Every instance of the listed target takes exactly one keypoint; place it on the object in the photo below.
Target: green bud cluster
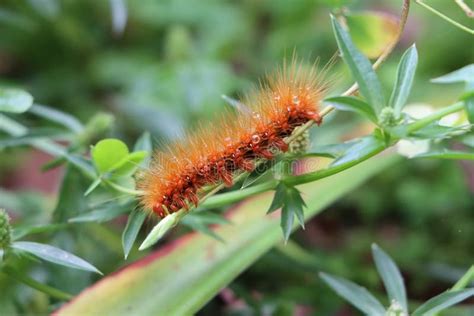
(387, 117)
(5, 230)
(300, 144)
(395, 309)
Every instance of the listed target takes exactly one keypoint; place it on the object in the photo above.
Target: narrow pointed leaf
(278, 198)
(360, 67)
(159, 230)
(55, 255)
(93, 186)
(448, 154)
(353, 104)
(287, 220)
(359, 149)
(130, 233)
(464, 74)
(405, 75)
(442, 301)
(357, 295)
(391, 277)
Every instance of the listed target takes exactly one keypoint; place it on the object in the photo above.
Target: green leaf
(160, 230)
(405, 75)
(201, 222)
(129, 164)
(296, 203)
(144, 143)
(360, 149)
(251, 235)
(442, 301)
(469, 106)
(361, 68)
(331, 150)
(357, 295)
(448, 154)
(353, 104)
(55, 255)
(465, 74)
(57, 116)
(103, 214)
(286, 221)
(108, 153)
(391, 277)
(278, 198)
(15, 100)
(93, 186)
(130, 233)
(436, 131)
(291, 203)
(372, 31)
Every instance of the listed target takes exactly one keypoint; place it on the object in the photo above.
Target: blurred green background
(163, 65)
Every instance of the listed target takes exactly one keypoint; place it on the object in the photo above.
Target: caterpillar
(288, 98)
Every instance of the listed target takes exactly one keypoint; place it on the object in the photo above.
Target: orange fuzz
(213, 153)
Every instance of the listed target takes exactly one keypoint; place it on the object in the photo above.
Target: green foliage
(405, 76)
(360, 67)
(390, 274)
(158, 68)
(54, 255)
(15, 100)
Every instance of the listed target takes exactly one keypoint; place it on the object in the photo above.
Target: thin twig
(444, 17)
(469, 12)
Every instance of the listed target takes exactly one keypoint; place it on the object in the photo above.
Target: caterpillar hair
(289, 98)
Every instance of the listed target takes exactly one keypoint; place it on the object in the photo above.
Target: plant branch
(434, 116)
(23, 278)
(444, 17)
(122, 189)
(469, 12)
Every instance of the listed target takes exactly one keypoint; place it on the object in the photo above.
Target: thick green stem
(313, 176)
(235, 196)
(434, 116)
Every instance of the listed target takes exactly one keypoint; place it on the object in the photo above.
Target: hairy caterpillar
(289, 98)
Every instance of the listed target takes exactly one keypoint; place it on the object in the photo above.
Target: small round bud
(396, 309)
(387, 117)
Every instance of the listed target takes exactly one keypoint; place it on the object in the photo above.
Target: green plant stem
(313, 176)
(465, 280)
(435, 116)
(122, 189)
(23, 278)
(444, 17)
(234, 196)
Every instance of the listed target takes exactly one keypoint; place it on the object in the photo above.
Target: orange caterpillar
(289, 99)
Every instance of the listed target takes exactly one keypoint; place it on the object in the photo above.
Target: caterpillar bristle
(213, 153)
